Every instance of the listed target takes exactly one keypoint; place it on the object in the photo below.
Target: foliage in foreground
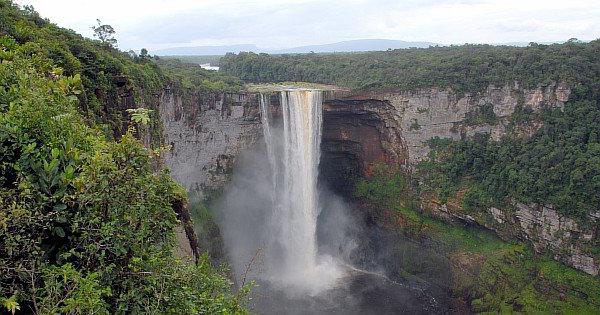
(111, 79)
(86, 225)
(506, 278)
(107, 74)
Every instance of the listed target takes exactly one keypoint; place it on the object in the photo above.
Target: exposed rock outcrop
(205, 134)
(357, 134)
(566, 239)
(425, 114)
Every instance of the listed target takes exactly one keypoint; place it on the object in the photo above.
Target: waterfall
(294, 162)
(269, 139)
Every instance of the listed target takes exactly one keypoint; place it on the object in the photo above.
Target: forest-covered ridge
(109, 76)
(465, 69)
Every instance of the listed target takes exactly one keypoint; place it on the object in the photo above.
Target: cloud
(158, 24)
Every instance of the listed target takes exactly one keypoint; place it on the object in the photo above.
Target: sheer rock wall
(207, 132)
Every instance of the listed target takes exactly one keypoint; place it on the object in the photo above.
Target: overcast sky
(156, 24)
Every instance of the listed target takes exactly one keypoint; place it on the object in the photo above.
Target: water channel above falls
(306, 249)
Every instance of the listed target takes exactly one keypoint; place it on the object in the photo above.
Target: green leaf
(69, 172)
(11, 304)
(59, 207)
(30, 147)
(59, 231)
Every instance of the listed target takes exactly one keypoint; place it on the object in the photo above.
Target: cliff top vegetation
(110, 77)
(466, 68)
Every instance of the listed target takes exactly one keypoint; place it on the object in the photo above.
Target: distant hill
(345, 46)
(205, 50)
(355, 45)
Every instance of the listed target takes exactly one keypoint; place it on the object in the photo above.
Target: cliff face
(426, 114)
(207, 132)
(548, 231)
(356, 135)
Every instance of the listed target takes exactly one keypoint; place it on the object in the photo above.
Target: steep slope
(87, 223)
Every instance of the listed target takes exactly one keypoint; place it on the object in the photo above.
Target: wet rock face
(356, 134)
(206, 133)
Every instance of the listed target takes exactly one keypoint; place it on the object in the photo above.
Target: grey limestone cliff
(207, 132)
(426, 114)
(429, 113)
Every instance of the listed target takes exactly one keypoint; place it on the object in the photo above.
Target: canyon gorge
(441, 180)
(207, 134)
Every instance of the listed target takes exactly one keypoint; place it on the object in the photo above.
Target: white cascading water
(294, 171)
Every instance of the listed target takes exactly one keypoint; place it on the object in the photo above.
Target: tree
(105, 33)
(144, 56)
(140, 115)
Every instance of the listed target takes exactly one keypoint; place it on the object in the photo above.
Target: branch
(249, 266)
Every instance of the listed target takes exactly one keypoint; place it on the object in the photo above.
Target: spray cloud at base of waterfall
(326, 257)
(273, 202)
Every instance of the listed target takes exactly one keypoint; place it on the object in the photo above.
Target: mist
(271, 212)
(244, 214)
(303, 260)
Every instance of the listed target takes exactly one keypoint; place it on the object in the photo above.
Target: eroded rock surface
(205, 134)
(564, 237)
(567, 240)
(356, 135)
(429, 113)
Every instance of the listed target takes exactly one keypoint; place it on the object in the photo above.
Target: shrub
(86, 224)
